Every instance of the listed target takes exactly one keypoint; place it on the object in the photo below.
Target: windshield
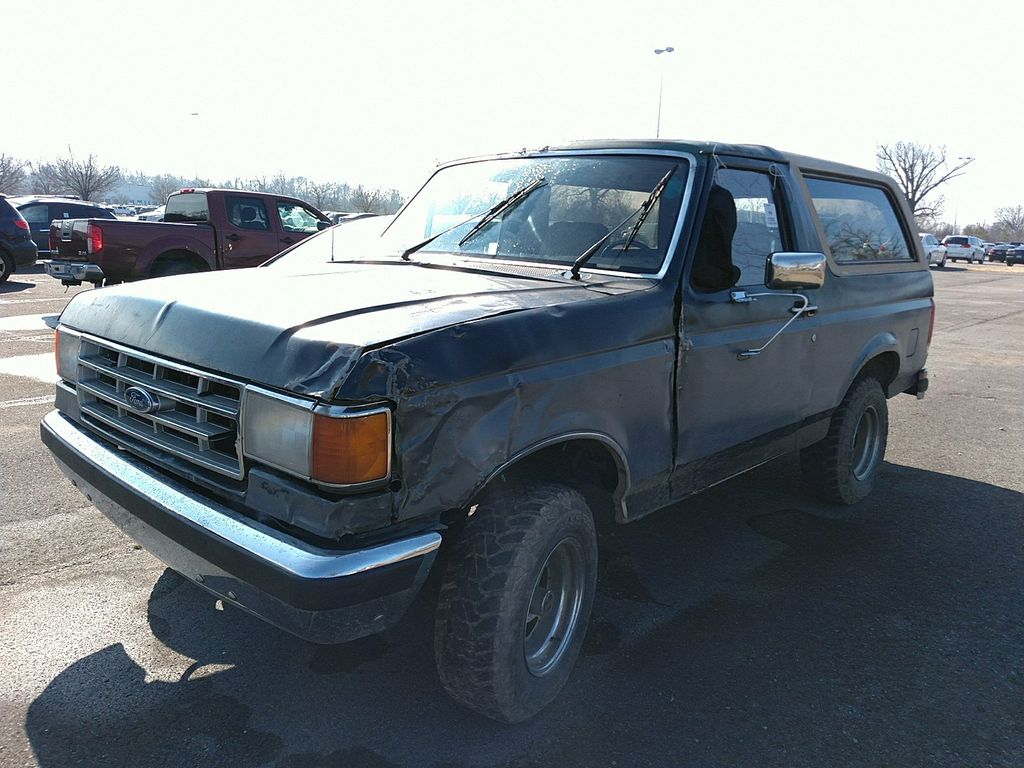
(581, 200)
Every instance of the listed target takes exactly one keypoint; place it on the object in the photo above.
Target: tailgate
(68, 236)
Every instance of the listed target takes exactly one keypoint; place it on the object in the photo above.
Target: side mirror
(795, 270)
(322, 225)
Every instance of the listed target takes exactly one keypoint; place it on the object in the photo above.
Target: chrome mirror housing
(789, 270)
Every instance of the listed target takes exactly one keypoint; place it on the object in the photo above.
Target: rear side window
(247, 213)
(90, 212)
(860, 222)
(38, 213)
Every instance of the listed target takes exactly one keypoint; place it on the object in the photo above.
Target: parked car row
(957, 247)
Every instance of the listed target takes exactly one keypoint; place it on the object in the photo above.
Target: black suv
(16, 246)
(40, 210)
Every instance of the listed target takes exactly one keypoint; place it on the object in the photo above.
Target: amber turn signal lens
(351, 450)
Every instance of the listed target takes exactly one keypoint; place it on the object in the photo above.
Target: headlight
(330, 445)
(66, 346)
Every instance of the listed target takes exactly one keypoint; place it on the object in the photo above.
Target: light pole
(195, 145)
(661, 85)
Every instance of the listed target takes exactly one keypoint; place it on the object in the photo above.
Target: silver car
(936, 251)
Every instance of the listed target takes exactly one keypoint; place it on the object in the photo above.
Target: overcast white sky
(378, 92)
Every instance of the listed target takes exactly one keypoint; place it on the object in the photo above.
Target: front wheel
(515, 599)
(844, 466)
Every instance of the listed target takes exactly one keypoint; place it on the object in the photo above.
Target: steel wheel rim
(553, 613)
(866, 443)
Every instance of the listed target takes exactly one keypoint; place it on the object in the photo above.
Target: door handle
(232, 237)
(287, 240)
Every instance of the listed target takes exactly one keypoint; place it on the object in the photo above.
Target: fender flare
(879, 344)
(168, 243)
(623, 482)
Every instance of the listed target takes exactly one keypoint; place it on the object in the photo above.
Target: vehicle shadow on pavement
(751, 625)
(13, 285)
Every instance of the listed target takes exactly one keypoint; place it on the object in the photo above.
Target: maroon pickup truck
(203, 229)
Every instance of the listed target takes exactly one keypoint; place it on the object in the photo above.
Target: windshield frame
(691, 170)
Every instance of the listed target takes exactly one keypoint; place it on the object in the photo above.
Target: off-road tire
(491, 578)
(841, 468)
(6, 266)
(172, 267)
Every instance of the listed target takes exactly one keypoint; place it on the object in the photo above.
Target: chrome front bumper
(323, 595)
(74, 272)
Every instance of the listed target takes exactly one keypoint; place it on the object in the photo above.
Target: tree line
(89, 179)
(920, 170)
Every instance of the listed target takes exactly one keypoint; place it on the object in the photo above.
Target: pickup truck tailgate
(69, 236)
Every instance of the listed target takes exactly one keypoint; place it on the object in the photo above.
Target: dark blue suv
(16, 246)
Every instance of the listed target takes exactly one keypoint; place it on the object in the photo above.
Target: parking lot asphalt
(749, 626)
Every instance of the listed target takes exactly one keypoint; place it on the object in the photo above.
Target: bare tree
(12, 174)
(366, 200)
(161, 186)
(1009, 222)
(319, 193)
(44, 180)
(919, 169)
(85, 178)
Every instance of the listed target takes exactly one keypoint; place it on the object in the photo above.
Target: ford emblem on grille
(140, 400)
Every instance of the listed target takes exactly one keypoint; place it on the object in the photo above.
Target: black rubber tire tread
(827, 466)
(173, 266)
(6, 266)
(489, 576)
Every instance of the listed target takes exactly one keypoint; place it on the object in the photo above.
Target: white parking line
(26, 401)
(40, 367)
(28, 322)
(33, 301)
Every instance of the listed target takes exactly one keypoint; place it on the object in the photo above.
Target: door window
(295, 218)
(753, 195)
(247, 213)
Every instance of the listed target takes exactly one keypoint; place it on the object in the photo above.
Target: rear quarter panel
(868, 308)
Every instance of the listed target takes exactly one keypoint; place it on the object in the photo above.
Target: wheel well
(184, 257)
(883, 368)
(590, 466)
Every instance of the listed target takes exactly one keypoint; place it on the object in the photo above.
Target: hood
(300, 332)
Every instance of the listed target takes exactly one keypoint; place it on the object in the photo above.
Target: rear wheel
(173, 267)
(844, 466)
(515, 599)
(6, 266)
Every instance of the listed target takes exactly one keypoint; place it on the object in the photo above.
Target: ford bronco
(536, 342)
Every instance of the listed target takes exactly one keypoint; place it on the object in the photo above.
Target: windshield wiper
(643, 210)
(512, 200)
(488, 216)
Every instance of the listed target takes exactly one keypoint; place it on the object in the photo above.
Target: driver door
(736, 411)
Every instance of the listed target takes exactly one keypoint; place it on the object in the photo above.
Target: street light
(661, 85)
(195, 145)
